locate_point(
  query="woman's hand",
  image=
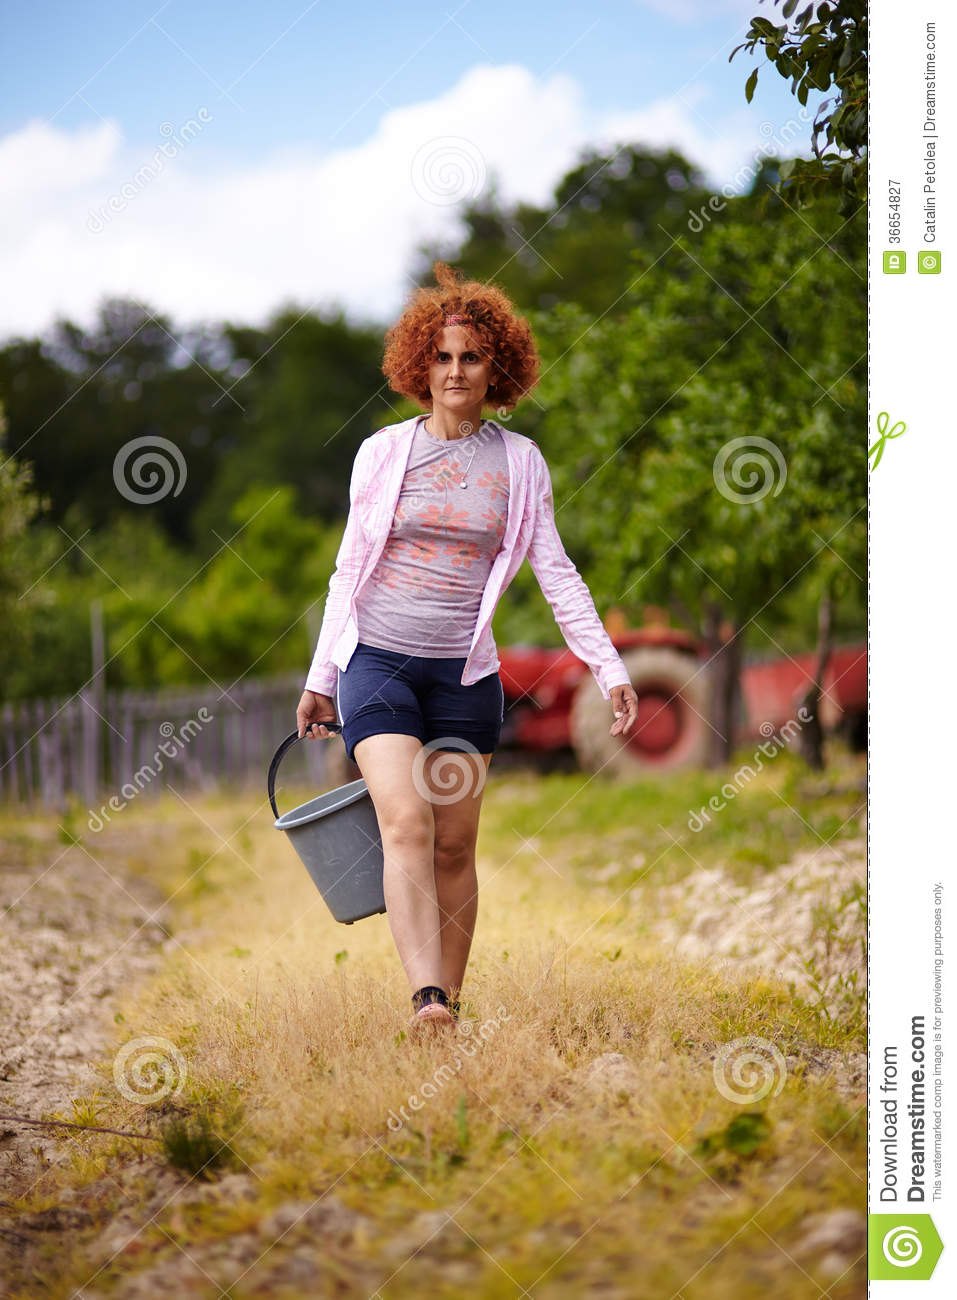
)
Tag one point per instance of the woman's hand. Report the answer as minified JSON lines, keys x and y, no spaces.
{"x":313,"y":711}
{"x":624,"y":701}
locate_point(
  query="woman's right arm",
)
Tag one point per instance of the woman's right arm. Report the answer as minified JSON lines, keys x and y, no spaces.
{"x":323,"y":672}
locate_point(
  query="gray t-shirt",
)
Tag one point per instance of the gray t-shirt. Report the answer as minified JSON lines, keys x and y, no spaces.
{"x":423,"y":596}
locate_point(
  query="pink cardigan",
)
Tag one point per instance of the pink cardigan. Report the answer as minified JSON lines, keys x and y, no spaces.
{"x":377,"y":475}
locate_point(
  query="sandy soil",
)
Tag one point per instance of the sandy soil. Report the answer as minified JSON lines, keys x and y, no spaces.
{"x":75,"y":931}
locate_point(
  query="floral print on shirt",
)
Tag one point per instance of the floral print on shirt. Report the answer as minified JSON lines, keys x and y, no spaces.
{"x":496,"y":483}
{"x":430,"y":524}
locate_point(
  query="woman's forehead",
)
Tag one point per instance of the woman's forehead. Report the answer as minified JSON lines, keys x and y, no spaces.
{"x":456,"y":338}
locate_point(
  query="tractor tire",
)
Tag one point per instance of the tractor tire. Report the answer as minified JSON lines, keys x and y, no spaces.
{"x":671,"y":731}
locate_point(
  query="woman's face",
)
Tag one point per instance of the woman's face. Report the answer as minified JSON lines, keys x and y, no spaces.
{"x":459,"y":375}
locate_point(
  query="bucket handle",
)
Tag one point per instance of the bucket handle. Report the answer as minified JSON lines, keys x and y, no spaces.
{"x":280,"y":755}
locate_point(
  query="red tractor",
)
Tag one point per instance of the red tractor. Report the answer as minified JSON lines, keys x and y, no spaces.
{"x":552,"y":701}
{"x":553,"y":704}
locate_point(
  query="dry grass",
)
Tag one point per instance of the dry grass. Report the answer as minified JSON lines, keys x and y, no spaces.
{"x":575,"y":1142}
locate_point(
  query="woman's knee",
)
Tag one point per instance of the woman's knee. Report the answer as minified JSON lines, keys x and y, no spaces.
{"x":408,"y":828}
{"x":405,"y":818}
{"x":454,"y":854}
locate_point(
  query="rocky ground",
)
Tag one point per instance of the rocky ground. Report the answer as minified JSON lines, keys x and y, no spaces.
{"x":804,"y":921}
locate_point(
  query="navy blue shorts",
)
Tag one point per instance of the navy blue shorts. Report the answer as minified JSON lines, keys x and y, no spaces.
{"x":387,"y":691}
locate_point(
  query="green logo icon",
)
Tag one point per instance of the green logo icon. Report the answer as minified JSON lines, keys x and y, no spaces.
{"x":895,"y":263}
{"x":902,"y":1247}
{"x":887,"y":432}
{"x":928,"y":263}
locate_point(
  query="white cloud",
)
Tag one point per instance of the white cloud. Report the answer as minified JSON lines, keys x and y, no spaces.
{"x":299,"y":225}
{"x":720,"y":149}
{"x":40,"y":160}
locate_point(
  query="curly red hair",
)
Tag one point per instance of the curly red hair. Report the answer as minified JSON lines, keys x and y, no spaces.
{"x":503,"y":337}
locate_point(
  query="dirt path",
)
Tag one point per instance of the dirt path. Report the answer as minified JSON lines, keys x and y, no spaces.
{"x":75,"y":931}
{"x":78,"y":932}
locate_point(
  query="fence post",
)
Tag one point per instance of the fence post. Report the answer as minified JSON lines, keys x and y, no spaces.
{"x":92,"y":698}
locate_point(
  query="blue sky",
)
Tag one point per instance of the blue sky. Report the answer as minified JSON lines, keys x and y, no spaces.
{"x":309,"y":146}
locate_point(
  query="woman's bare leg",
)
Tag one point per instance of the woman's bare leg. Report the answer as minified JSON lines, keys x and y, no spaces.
{"x":407,"y":827}
{"x":456,"y":782}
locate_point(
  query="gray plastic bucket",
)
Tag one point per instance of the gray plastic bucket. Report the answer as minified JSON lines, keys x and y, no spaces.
{"x":337,"y":837}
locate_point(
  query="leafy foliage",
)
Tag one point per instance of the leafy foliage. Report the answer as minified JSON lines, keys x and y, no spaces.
{"x":658,"y":348}
{"x":754,"y":330}
{"x":576,"y":247}
{"x":21,"y":560}
{"x":824,"y":47}
{"x":288,"y":403}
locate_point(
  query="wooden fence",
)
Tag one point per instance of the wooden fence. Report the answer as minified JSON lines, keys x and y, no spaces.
{"x":95,"y":746}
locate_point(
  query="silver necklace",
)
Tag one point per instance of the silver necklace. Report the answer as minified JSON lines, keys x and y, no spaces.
{"x":463,"y":482}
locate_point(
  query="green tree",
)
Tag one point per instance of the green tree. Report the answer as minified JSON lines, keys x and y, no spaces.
{"x":285,"y":404}
{"x":312,"y":390}
{"x":756,"y":331}
{"x":21,"y":562}
{"x":78,"y":398}
{"x":574,"y":247}
{"x":824,"y":47}
{"x":243,"y":612}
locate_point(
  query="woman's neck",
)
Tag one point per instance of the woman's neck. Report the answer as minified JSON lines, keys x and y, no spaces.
{"x":450,"y":427}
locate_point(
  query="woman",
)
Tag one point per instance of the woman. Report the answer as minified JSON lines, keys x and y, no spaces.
{"x":444,"y":508}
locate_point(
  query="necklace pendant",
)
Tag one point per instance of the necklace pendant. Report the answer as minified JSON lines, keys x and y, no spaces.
{"x":463,"y":484}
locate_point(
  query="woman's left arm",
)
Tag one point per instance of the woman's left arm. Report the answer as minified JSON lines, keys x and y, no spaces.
{"x":571,"y":602}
